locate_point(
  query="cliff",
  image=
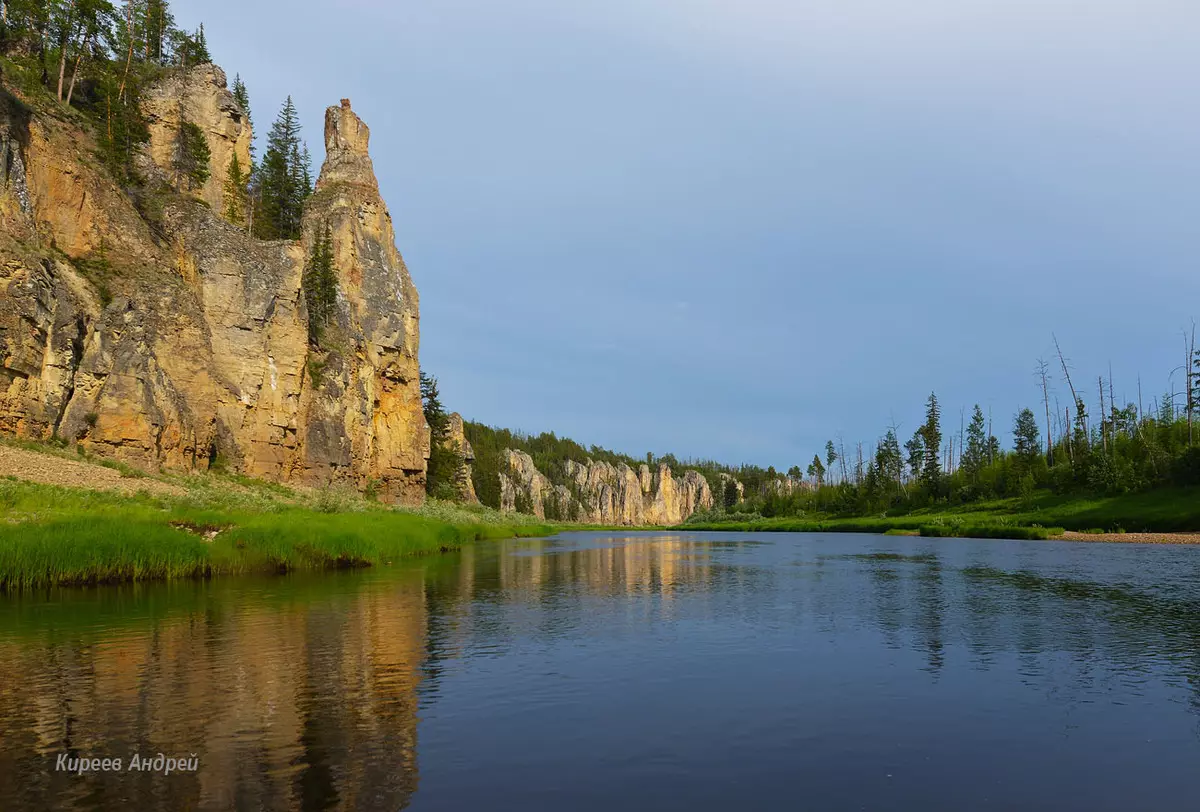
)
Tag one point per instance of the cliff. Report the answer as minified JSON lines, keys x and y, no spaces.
{"x":602,"y":493}
{"x":161,"y":335}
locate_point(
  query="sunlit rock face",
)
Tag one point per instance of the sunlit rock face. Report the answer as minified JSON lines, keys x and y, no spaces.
{"x":197,"y":95}
{"x":167,"y":337}
{"x":602,"y":493}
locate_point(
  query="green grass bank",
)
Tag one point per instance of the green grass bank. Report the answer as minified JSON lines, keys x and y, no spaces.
{"x":61,"y":536}
{"x":1165,"y":510}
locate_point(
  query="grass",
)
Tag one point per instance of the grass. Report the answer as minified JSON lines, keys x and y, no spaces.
{"x":57,"y":536}
{"x":1045,"y":516}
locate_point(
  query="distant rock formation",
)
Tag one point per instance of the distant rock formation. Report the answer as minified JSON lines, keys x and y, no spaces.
{"x":602,"y":493}
{"x":166,"y":337}
{"x":456,"y":438}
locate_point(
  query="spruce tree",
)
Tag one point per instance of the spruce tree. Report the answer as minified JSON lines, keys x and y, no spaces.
{"x":283,"y":179}
{"x":201,"y":54}
{"x":191,"y":157}
{"x":916,"y":454}
{"x":445,"y":460}
{"x":242,"y":96}
{"x":1027,"y":439}
{"x":320,"y":286}
{"x":931,"y":437}
{"x":975,"y":454}
{"x":235,"y":193}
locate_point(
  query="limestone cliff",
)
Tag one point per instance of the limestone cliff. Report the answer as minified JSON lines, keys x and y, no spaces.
{"x":163,"y":336}
{"x":602,"y":493}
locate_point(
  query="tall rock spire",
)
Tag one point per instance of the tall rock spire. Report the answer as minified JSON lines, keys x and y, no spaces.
{"x":378,"y":307}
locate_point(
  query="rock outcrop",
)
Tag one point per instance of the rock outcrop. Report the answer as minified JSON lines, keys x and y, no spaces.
{"x":602,"y":493}
{"x":456,"y":438}
{"x":173,"y":340}
{"x":198,"y":96}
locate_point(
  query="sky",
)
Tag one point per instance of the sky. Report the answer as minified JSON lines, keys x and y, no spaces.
{"x":735,"y":230}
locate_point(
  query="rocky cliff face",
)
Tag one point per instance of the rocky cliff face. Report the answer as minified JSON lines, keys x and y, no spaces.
{"x":199,"y":96}
{"x":174,"y":339}
{"x":601,"y":493}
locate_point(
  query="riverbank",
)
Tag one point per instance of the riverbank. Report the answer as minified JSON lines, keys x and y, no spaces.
{"x":107,"y":523}
{"x":1168,"y":515}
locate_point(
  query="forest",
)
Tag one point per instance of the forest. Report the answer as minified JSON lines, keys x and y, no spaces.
{"x":1097,"y":448}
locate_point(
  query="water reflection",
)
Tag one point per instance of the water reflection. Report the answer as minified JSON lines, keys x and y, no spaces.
{"x":294,"y":694}
{"x":305,"y":693}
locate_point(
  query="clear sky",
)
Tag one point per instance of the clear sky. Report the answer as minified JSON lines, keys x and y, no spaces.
{"x":735,"y":230}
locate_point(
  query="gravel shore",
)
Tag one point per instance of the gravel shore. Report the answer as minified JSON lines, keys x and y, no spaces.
{"x":1134,"y":538}
{"x":51,"y":470}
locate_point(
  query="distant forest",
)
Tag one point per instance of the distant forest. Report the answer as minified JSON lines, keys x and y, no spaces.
{"x":549,"y":453}
{"x":1093,"y":446}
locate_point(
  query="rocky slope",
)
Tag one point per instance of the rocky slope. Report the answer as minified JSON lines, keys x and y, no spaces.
{"x":161,"y":335}
{"x":602,"y":493}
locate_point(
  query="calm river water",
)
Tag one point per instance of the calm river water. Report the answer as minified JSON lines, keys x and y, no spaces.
{"x":599,"y":671}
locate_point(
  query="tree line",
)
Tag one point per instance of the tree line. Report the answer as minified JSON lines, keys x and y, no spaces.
{"x":1093,"y":445}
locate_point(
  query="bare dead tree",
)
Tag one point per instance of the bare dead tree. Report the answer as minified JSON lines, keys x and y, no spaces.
{"x":1103,"y":434}
{"x":1082,"y":414}
{"x":1043,"y":372}
{"x":129,"y":56}
{"x":1190,"y":349}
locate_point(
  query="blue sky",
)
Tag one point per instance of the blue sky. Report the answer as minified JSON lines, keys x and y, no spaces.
{"x":735,"y":230}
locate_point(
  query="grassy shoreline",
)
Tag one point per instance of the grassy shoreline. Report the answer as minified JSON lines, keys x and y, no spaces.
{"x":1164,"y":511}
{"x":53,"y":535}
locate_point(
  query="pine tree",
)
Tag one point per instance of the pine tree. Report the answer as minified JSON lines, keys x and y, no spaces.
{"x":235,"y":193}
{"x":159,"y":23}
{"x":831,"y":456}
{"x":283,"y":179}
{"x":931,"y":437}
{"x":816,"y":470}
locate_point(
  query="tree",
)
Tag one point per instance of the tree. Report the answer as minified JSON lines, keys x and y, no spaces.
{"x":730,"y":496}
{"x":916,"y":454}
{"x":242,"y":97}
{"x":445,"y":460}
{"x":976,"y":453}
{"x":159,"y":23}
{"x":320,"y":287}
{"x":1027,"y":439}
{"x":831,"y":455}
{"x":191,"y":159}
{"x":235,"y":193}
{"x":201,"y":54}
{"x":888,"y":459}
{"x":284,"y":181}
{"x":931,"y":436}
{"x":817,"y":471}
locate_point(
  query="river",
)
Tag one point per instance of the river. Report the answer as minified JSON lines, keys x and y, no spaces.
{"x":601,"y":671}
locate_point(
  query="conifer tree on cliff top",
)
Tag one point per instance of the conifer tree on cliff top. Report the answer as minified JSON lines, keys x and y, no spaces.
{"x":285,"y":179}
